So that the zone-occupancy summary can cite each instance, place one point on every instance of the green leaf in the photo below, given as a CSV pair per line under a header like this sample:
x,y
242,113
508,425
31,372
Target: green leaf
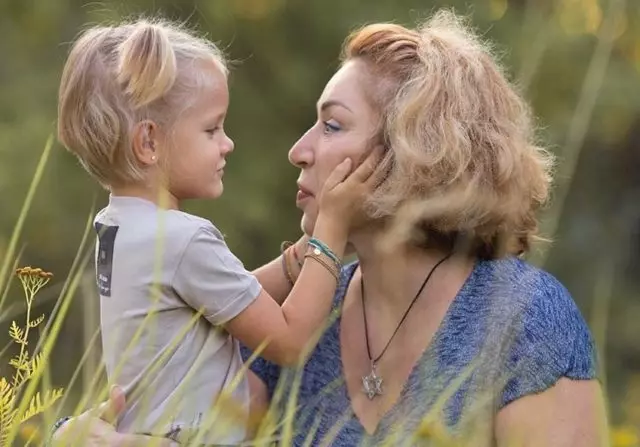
x,y
20,361
35,365
37,405
16,332
34,323
7,410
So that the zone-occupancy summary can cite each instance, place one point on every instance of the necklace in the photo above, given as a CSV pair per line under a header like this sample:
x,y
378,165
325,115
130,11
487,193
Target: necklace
x,y
372,383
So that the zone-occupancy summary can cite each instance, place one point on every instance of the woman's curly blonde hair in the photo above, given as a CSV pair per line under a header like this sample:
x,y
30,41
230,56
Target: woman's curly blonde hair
x,y
463,162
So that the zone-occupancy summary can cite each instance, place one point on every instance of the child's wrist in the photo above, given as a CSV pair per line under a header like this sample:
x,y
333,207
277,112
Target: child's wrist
x,y
329,229
321,253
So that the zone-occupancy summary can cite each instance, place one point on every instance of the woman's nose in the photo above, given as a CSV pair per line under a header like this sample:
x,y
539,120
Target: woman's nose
x,y
301,153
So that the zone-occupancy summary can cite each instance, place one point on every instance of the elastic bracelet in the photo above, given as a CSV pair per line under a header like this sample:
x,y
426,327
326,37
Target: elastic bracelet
x,y
299,261
317,243
327,264
285,269
284,245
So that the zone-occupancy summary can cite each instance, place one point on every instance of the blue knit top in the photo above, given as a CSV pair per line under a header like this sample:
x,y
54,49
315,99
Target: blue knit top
x,y
511,331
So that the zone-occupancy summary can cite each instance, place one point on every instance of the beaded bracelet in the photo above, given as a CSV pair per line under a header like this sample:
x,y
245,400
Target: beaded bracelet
x,y
319,251
321,246
286,268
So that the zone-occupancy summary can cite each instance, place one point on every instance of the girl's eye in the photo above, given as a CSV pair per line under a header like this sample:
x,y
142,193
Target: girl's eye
x,y
212,131
330,127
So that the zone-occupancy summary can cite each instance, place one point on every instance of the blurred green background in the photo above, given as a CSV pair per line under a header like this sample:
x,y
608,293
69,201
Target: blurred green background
x,y
578,61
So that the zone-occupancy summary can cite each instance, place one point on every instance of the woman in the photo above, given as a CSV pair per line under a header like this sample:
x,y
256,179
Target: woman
x,y
440,327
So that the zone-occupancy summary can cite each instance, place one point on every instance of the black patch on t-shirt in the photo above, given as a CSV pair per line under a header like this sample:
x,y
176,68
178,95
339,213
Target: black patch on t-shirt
x,y
104,261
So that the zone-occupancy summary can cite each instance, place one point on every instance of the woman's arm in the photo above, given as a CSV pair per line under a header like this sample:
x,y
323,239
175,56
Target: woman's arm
x,y
94,428
569,414
272,276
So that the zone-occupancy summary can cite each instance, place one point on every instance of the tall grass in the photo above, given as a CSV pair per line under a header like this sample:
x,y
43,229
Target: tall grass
x,y
280,424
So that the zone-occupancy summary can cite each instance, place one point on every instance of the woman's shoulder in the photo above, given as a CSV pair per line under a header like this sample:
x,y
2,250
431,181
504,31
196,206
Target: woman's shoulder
x,y
537,294
550,337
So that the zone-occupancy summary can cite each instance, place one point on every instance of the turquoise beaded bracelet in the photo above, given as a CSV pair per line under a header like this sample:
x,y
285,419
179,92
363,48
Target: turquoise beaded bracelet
x,y
318,244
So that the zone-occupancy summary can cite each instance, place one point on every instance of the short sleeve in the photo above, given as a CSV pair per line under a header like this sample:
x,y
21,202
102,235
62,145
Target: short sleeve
x,y
554,342
211,278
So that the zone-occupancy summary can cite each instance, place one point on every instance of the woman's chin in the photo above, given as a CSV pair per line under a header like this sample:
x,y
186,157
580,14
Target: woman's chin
x,y
307,224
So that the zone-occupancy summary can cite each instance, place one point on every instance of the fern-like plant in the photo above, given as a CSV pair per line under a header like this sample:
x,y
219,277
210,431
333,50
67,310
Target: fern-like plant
x,y
25,364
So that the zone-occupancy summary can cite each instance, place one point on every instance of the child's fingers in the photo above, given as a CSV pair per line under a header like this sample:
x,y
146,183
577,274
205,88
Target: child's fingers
x,y
338,174
110,410
379,173
368,166
125,440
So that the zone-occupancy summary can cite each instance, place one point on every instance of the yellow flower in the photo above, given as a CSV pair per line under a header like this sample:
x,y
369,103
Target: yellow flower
x,y
625,436
30,432
31,272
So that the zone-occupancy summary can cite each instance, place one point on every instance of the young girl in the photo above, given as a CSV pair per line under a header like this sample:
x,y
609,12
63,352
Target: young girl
x,y
142,105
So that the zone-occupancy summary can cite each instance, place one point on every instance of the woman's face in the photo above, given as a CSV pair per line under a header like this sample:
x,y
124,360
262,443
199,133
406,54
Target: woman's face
x,y
345,126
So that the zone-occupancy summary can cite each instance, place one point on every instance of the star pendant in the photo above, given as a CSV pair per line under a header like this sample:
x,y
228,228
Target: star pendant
x,y
372,384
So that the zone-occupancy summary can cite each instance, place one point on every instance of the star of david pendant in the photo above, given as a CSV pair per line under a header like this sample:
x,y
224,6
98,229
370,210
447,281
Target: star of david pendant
x,y
372,384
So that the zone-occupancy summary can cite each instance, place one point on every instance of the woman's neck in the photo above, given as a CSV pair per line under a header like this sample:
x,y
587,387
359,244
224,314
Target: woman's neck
x,y
392,276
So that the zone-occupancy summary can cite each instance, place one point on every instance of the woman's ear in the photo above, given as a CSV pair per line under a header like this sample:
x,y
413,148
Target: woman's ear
x,y
145,142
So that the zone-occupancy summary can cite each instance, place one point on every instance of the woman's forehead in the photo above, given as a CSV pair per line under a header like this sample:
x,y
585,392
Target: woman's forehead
x,y
346,86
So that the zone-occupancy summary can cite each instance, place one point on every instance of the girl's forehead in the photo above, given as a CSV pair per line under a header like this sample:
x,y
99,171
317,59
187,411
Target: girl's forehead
x,y
212,96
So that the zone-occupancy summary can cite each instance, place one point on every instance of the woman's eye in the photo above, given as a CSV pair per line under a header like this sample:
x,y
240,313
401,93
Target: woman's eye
x,y
330,127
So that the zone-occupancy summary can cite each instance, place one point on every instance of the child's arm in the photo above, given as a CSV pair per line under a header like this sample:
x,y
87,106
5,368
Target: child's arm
x,y
290,329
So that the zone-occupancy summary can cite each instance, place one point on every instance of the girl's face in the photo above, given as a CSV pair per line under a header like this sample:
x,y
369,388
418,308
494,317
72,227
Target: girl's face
x,y
197,145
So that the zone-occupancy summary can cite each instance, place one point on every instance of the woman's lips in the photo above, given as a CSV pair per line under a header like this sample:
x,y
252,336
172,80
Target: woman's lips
x,y
303,193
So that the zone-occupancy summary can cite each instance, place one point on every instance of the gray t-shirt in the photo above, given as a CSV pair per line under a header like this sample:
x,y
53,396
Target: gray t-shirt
x,y
155,269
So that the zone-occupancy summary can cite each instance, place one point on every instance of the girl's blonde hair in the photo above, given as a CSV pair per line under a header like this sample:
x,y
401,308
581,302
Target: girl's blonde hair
x,y
462,158
116,76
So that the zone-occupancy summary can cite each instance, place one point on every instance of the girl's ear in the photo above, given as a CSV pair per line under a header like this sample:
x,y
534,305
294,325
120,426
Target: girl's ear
x,y
145,142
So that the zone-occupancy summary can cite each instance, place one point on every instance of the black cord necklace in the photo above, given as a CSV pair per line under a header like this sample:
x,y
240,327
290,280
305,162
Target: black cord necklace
x,y
372,384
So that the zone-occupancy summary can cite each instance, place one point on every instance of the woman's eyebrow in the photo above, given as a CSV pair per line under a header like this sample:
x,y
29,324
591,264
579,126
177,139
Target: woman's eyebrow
x,y
333,103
